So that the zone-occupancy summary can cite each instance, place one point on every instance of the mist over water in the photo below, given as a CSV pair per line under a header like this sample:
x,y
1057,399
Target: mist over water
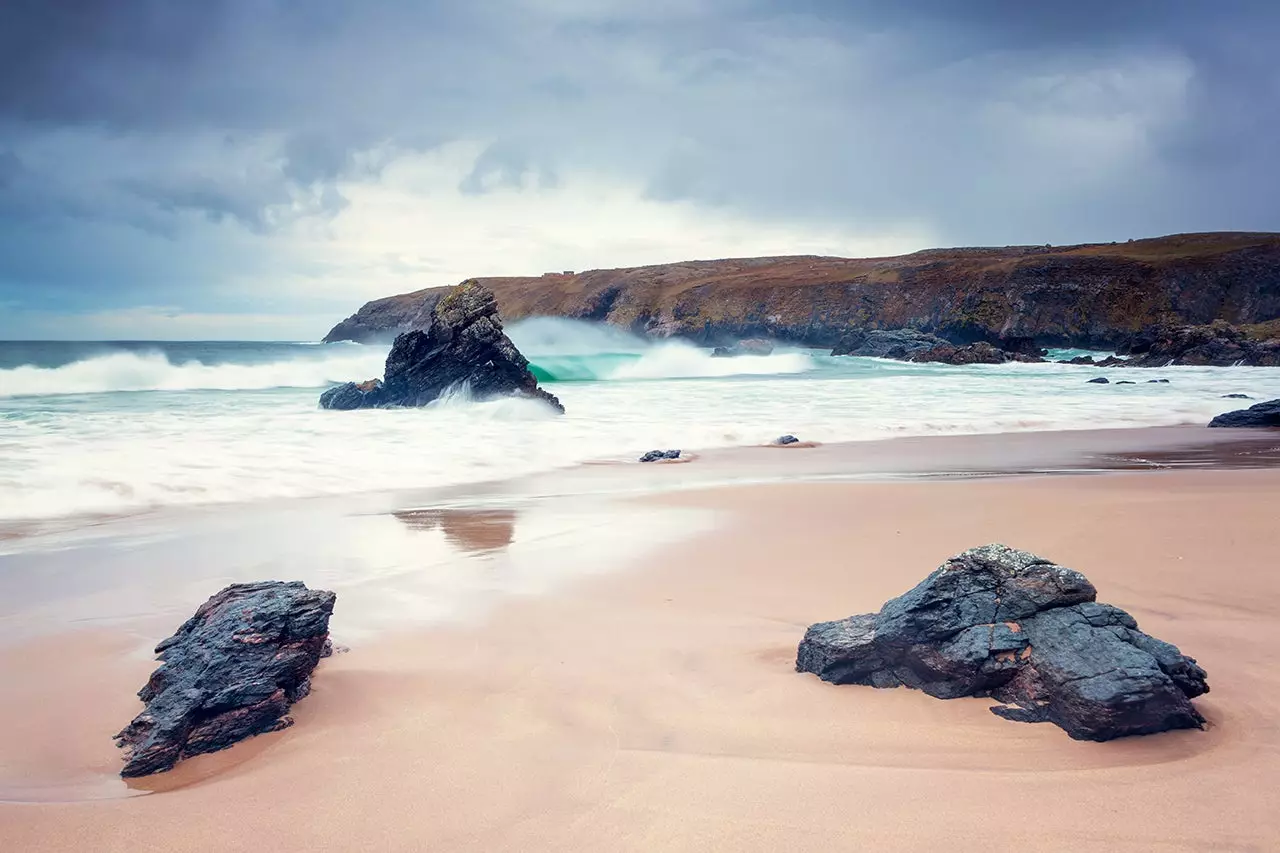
x,y
111,428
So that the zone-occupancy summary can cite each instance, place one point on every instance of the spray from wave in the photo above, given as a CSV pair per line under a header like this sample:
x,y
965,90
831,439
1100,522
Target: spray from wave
x,y
561,350
154,371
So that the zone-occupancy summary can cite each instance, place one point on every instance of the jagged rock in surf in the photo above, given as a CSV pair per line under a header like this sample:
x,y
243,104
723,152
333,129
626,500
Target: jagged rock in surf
x,y
1002,623
886,343
463,345
228,673
1259,415
978,353
1215,344
784,440
1099,380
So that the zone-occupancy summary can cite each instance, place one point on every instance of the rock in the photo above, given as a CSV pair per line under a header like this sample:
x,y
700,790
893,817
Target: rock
x,y
463,345
1003,623
655,455
886,343
979,353
1099,380
1022,346
1157,381
1218,344
784,440
1080,359
1234,396
752,346
1260,415
1126,382
230,672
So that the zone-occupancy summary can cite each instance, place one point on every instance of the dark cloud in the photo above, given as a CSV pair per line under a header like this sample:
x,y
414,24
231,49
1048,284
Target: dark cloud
x,y
986,121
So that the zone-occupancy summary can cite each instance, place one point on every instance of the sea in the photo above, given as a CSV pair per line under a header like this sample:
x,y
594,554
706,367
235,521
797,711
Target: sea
x,y
92,429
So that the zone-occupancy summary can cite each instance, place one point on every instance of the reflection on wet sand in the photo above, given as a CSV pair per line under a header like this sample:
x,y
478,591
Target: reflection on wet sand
x,y
473,530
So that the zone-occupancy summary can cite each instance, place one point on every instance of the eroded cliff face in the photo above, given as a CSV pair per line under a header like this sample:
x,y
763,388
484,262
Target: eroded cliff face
x,y
1097,294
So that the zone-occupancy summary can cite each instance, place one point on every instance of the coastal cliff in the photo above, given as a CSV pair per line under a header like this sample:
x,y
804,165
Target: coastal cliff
x,y
1087,295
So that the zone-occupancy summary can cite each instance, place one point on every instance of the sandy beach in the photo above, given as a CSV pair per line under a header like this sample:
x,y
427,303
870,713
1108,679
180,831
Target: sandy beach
x,y
649,702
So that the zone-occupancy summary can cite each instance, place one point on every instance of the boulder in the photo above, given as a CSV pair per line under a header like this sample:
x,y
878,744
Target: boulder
x,y
979,353
751,346
1099,380
784,440
656,455
1126,382
463,345
886,343
1080,359
1260,415
1001,623
230,672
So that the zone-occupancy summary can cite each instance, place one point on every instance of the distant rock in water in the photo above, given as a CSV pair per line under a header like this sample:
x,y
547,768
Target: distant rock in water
x,y
1260,415
979,353
1217,344
887,343
1080,359
784,440
1126,382
658,455
1099,380
1232,396
751,346
230,672
1157,381
1003,623
463,345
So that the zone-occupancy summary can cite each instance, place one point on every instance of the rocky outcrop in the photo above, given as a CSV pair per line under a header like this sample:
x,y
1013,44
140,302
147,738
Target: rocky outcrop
x,y
463,344
886,343
1218,344
660,455
1094,295
1261,415
979,353
752,346
230,672
1007,624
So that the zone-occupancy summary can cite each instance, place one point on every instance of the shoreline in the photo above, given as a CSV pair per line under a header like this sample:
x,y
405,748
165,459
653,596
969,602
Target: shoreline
x,y
651,703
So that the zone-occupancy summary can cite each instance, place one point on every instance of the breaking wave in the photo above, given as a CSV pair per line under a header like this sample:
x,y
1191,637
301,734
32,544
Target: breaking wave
x,y
154,371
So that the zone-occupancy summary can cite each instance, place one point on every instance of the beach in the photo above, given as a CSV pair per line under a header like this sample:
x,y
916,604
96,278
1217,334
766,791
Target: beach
x,y
643,696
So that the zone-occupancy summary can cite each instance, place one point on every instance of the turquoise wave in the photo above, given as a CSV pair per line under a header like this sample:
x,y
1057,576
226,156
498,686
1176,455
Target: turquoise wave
x,y
579,368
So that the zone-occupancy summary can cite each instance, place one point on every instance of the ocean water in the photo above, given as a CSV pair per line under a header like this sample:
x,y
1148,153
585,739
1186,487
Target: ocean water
x,y
110,428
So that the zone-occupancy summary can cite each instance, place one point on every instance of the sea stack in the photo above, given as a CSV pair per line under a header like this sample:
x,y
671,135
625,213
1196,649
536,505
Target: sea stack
x,y
463,344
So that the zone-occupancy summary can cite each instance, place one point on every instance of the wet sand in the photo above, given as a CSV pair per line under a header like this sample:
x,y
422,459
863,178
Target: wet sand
x,y
652,704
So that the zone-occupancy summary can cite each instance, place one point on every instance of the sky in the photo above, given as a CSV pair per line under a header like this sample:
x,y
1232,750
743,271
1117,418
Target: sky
x,y
257,169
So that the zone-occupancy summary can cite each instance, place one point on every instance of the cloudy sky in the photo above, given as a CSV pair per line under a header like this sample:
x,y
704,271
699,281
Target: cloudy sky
x,y
259,168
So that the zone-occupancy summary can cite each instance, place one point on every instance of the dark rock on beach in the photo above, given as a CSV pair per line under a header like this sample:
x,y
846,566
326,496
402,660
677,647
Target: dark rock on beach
x,y
978,353
230,672
886,343
1261,415
1099,380
463,345
784,440
752,346
1002,623
656,455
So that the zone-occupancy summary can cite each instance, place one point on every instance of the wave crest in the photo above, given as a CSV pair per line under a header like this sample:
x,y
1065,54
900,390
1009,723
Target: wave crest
x,y
153,371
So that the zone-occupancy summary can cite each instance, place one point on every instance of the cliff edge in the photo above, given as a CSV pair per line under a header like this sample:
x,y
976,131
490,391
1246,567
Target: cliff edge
x,y
1088,295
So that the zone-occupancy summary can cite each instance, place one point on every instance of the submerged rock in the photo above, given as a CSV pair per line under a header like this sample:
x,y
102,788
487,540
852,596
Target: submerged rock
x,y
1157,381
1100,380
1003,623
784,440
656,455
1259,415
886,343
1080,359
463,345
230,672
751,346
1126,382
1236,396
979,353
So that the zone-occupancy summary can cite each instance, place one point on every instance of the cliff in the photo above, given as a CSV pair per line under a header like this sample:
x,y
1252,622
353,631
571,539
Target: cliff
x,y
1095,294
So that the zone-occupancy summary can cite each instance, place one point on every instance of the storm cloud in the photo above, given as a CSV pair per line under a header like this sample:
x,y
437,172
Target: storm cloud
x,y
291,158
